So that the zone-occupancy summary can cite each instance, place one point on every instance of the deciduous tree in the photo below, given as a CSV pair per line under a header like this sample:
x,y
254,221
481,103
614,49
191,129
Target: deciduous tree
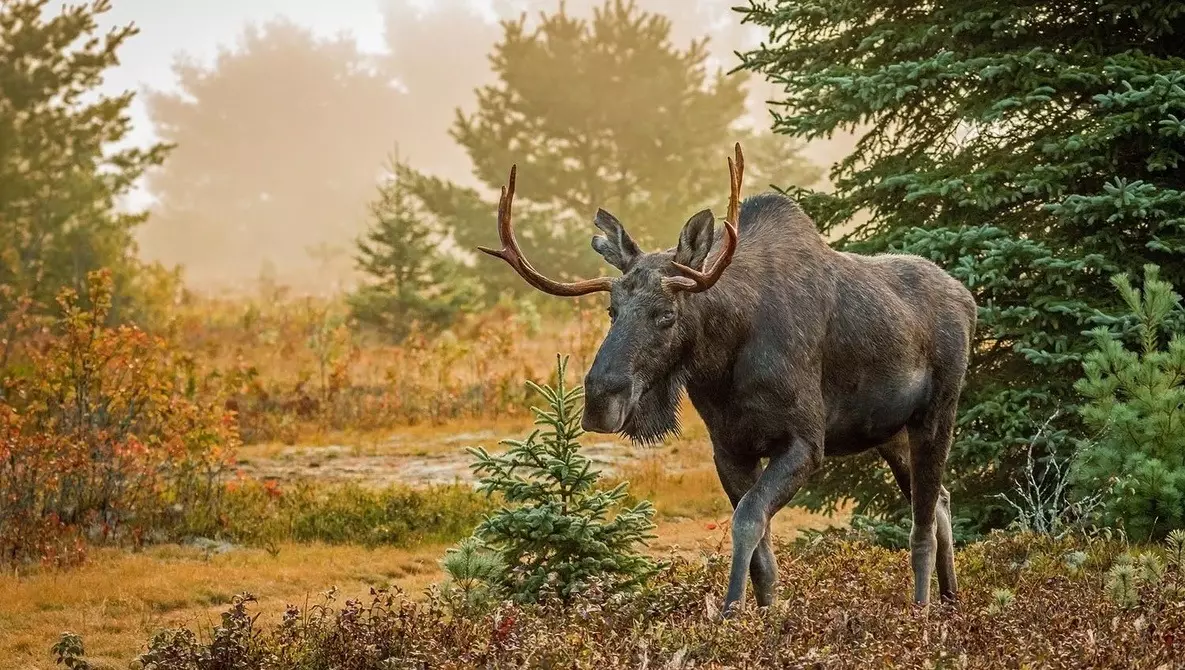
x,y
280,143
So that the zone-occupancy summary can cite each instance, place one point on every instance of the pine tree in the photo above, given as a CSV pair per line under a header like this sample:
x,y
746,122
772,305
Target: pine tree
x,y
1031,149
475,574
1134,402
606,112
62,171
558,531
411,280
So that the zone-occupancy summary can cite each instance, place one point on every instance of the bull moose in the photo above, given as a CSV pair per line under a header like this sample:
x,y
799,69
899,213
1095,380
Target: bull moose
x,y
790,351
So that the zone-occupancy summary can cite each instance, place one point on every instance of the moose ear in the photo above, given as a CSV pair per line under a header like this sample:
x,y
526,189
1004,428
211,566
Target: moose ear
x,y
696,240
615,245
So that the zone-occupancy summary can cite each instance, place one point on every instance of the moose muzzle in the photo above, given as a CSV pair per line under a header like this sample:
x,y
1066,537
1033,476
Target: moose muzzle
x,y
606,402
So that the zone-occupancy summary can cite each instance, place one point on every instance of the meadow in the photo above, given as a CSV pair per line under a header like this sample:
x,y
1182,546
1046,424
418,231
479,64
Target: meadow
x,y
340,466
339,478
391,473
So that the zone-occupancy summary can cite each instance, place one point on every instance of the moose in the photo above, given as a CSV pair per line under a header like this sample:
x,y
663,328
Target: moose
x,y
790,351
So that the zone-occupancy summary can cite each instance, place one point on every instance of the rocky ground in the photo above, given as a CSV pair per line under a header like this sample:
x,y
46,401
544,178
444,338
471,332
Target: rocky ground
x,y
402,459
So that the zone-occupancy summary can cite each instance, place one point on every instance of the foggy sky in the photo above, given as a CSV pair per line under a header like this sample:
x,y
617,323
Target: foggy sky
x,y
199,28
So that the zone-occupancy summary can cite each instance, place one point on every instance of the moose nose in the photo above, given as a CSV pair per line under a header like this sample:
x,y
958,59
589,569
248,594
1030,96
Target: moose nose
x,y
605,399
602,385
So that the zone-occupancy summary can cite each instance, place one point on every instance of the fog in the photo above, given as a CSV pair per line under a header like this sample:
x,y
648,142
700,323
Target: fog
x,y
432,54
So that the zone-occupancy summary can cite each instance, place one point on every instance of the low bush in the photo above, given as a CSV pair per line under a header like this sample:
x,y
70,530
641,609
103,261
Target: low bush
x,y
101,437
1027,601
266,514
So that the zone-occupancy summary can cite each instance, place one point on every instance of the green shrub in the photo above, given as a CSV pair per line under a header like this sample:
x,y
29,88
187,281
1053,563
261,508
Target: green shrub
x,y
1134,400
559,531
265,514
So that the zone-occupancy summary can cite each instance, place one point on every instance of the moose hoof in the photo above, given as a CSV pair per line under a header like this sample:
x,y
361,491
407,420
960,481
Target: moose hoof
x,y
729,611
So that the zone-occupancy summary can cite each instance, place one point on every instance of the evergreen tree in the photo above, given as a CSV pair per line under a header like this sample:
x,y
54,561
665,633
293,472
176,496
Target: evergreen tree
x,y
1032,149
558,531
436,82
61,171
602,113
475,574
412,280
1133,403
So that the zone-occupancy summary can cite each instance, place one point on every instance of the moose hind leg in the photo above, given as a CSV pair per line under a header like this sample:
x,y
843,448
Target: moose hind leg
x,y
948,584
929,447
896,454
737,476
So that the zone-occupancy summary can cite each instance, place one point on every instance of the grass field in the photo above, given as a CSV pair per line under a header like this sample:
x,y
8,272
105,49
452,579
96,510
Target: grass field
x,y
316,403
118,599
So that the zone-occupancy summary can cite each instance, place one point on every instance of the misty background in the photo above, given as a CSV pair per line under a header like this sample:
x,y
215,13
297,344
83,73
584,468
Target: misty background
x,y
286,113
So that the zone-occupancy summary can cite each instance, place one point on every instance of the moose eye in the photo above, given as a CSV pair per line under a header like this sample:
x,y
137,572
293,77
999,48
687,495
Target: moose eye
x,y
665,319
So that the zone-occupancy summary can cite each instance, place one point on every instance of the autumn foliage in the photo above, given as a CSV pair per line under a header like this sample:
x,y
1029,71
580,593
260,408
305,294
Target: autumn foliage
x,y
102,439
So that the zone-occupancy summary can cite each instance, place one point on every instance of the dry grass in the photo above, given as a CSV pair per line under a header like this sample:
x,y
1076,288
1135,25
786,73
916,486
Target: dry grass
x,y
273,336
417,440
118,600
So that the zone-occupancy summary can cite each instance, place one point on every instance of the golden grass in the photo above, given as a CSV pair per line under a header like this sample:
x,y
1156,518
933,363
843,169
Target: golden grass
x,y
418,440
272,336
118,599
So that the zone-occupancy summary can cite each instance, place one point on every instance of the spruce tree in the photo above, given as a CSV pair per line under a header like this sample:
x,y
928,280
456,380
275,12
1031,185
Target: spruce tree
x,y
605,112
557,530
1032,149
1133,404
409,279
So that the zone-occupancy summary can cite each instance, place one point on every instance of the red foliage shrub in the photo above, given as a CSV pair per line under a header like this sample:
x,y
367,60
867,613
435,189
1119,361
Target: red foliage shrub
x,y
101,438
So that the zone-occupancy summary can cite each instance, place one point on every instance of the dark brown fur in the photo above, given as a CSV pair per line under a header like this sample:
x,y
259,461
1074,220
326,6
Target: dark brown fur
x,y
798,352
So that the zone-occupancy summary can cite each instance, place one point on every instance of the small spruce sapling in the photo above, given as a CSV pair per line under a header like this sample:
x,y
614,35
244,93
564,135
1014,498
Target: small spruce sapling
x,y
474,574
1134,399
558,532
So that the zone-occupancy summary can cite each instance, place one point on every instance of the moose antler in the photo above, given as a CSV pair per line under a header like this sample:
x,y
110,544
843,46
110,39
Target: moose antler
x,y
694,280
511,253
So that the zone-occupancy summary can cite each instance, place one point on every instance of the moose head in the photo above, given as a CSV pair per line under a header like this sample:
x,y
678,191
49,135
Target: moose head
x,y
636,379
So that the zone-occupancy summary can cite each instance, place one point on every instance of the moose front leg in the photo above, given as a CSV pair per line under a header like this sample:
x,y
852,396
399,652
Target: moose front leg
x,y
781,479
737,475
